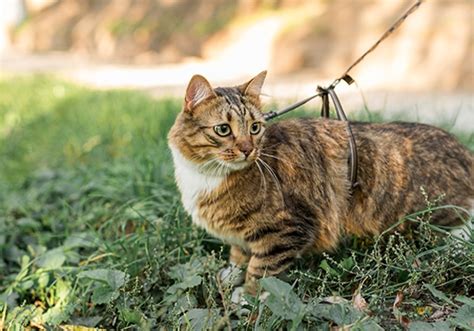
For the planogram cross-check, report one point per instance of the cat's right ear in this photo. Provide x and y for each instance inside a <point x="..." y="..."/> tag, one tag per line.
<point x="197" y="91"/>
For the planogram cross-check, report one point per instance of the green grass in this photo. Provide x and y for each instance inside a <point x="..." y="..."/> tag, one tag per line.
<point x="92" y="233"/>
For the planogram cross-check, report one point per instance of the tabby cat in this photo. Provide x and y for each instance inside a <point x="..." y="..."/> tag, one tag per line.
<point x="277" y="191"/>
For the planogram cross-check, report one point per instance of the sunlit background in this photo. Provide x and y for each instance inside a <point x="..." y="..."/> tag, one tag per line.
<point x="426" y="69"/>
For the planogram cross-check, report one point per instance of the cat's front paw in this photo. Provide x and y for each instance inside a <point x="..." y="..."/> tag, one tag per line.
<point x="231" y="275"/>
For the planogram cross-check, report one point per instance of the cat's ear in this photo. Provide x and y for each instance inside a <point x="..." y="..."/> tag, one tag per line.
<point x="254" y="86"/>
<point x="197" y="91"/>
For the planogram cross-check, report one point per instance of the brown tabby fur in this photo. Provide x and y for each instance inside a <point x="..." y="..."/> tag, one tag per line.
<point x="293" y="194"/>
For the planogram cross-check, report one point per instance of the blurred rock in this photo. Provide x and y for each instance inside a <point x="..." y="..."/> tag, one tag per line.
<point x="122" y="30"/>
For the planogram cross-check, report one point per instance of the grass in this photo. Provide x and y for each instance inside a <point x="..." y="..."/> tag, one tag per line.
<point x="92" y="233"/>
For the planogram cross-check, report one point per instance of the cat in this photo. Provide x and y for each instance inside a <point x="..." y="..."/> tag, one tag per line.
<point x="276" y="191"/>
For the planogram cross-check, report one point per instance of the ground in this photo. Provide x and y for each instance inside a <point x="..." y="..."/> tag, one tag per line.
<point x="92" y="233"/>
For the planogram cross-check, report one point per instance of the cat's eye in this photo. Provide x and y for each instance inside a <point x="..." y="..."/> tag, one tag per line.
<point x="222" y="130"/>
<point x="255" y="128"/>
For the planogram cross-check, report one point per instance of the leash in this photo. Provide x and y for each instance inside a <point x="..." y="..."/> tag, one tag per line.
<point x="328" y="92"/>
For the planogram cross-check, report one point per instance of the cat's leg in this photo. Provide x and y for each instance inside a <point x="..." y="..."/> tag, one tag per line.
<point x="234" y="274"/>
<point x="269" y="263"/>
<point x="274" y="248"/>
<point x="238" y="256"/>
<point x="273" y="262"/>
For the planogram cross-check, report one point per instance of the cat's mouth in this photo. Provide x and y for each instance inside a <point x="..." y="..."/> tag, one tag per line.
<point x="239" y="165"/>
<point x="238" y="162"/>
<point x="219" y="167"/>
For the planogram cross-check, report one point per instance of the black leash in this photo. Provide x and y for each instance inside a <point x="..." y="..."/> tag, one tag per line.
<point x="328" y="92"/>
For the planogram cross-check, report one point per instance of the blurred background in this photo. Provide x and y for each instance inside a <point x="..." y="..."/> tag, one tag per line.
<point x="425" y="70"/>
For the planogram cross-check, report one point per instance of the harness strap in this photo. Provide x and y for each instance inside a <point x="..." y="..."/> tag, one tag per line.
<point x="325" y="103"/>
<point x="353" y="157"/>
<point x="272" y="114"/>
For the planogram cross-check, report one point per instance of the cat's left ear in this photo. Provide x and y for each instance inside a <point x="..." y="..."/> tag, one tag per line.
<point x="197" y="91"/>
<point x="254" y="86"/>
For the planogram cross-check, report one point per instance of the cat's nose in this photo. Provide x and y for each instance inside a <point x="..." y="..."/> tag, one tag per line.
<point x="246" y="151"/>
<point x="245" y="147"/>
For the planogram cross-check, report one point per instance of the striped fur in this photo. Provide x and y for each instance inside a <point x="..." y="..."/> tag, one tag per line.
<point x="291" y="194"/>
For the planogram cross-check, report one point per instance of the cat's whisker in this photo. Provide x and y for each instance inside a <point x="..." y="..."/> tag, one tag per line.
<point x="263" y="181"/>
<point x="204" y="165"/>
<point x="271" y="146"/>
<point x="272" y="173"/>
<point x="274" y="176"/>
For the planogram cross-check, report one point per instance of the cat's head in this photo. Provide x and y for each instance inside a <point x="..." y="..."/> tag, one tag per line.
<point x="219" y="130"/>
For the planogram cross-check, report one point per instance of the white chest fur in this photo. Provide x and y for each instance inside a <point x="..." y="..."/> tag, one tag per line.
<point x="191" y="182"/>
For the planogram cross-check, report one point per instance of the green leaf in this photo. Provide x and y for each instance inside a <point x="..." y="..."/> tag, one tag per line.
<point x="344" y="314"/>
<point x="25" y="263"/>
<point x="130" y="316"/>
<point x="201" y="319"/>
<point x="113" y="278"/>
<point x="282" y="300"/>
<point x="438" y="294"/>
<point x="8" y="299"/>
<point x="58" y="314"/>
<point x="366" y="325"/>
<point x="62" y="309"/>
<point x="52" y="259"/>
<point x="26" y="285"/>
<point x="319" y="310"/>
<point x="464" y="299"/>
<point x="464" y="317"/>
<point x="43" y="280"/>
<point x="424" y="326"/>
<point x="189" y="282"/>
<point x="326" y="267"/>
<point x="182" y="271"/>
<point x="104" y="294"/>
<point x="76" y="240"/>
<point x="276" y="286"/>
<point x="27" y="223"/>
<point x="348" y="263"/>
<point x="186" y="302"/>
<point x="63" y="290"/>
